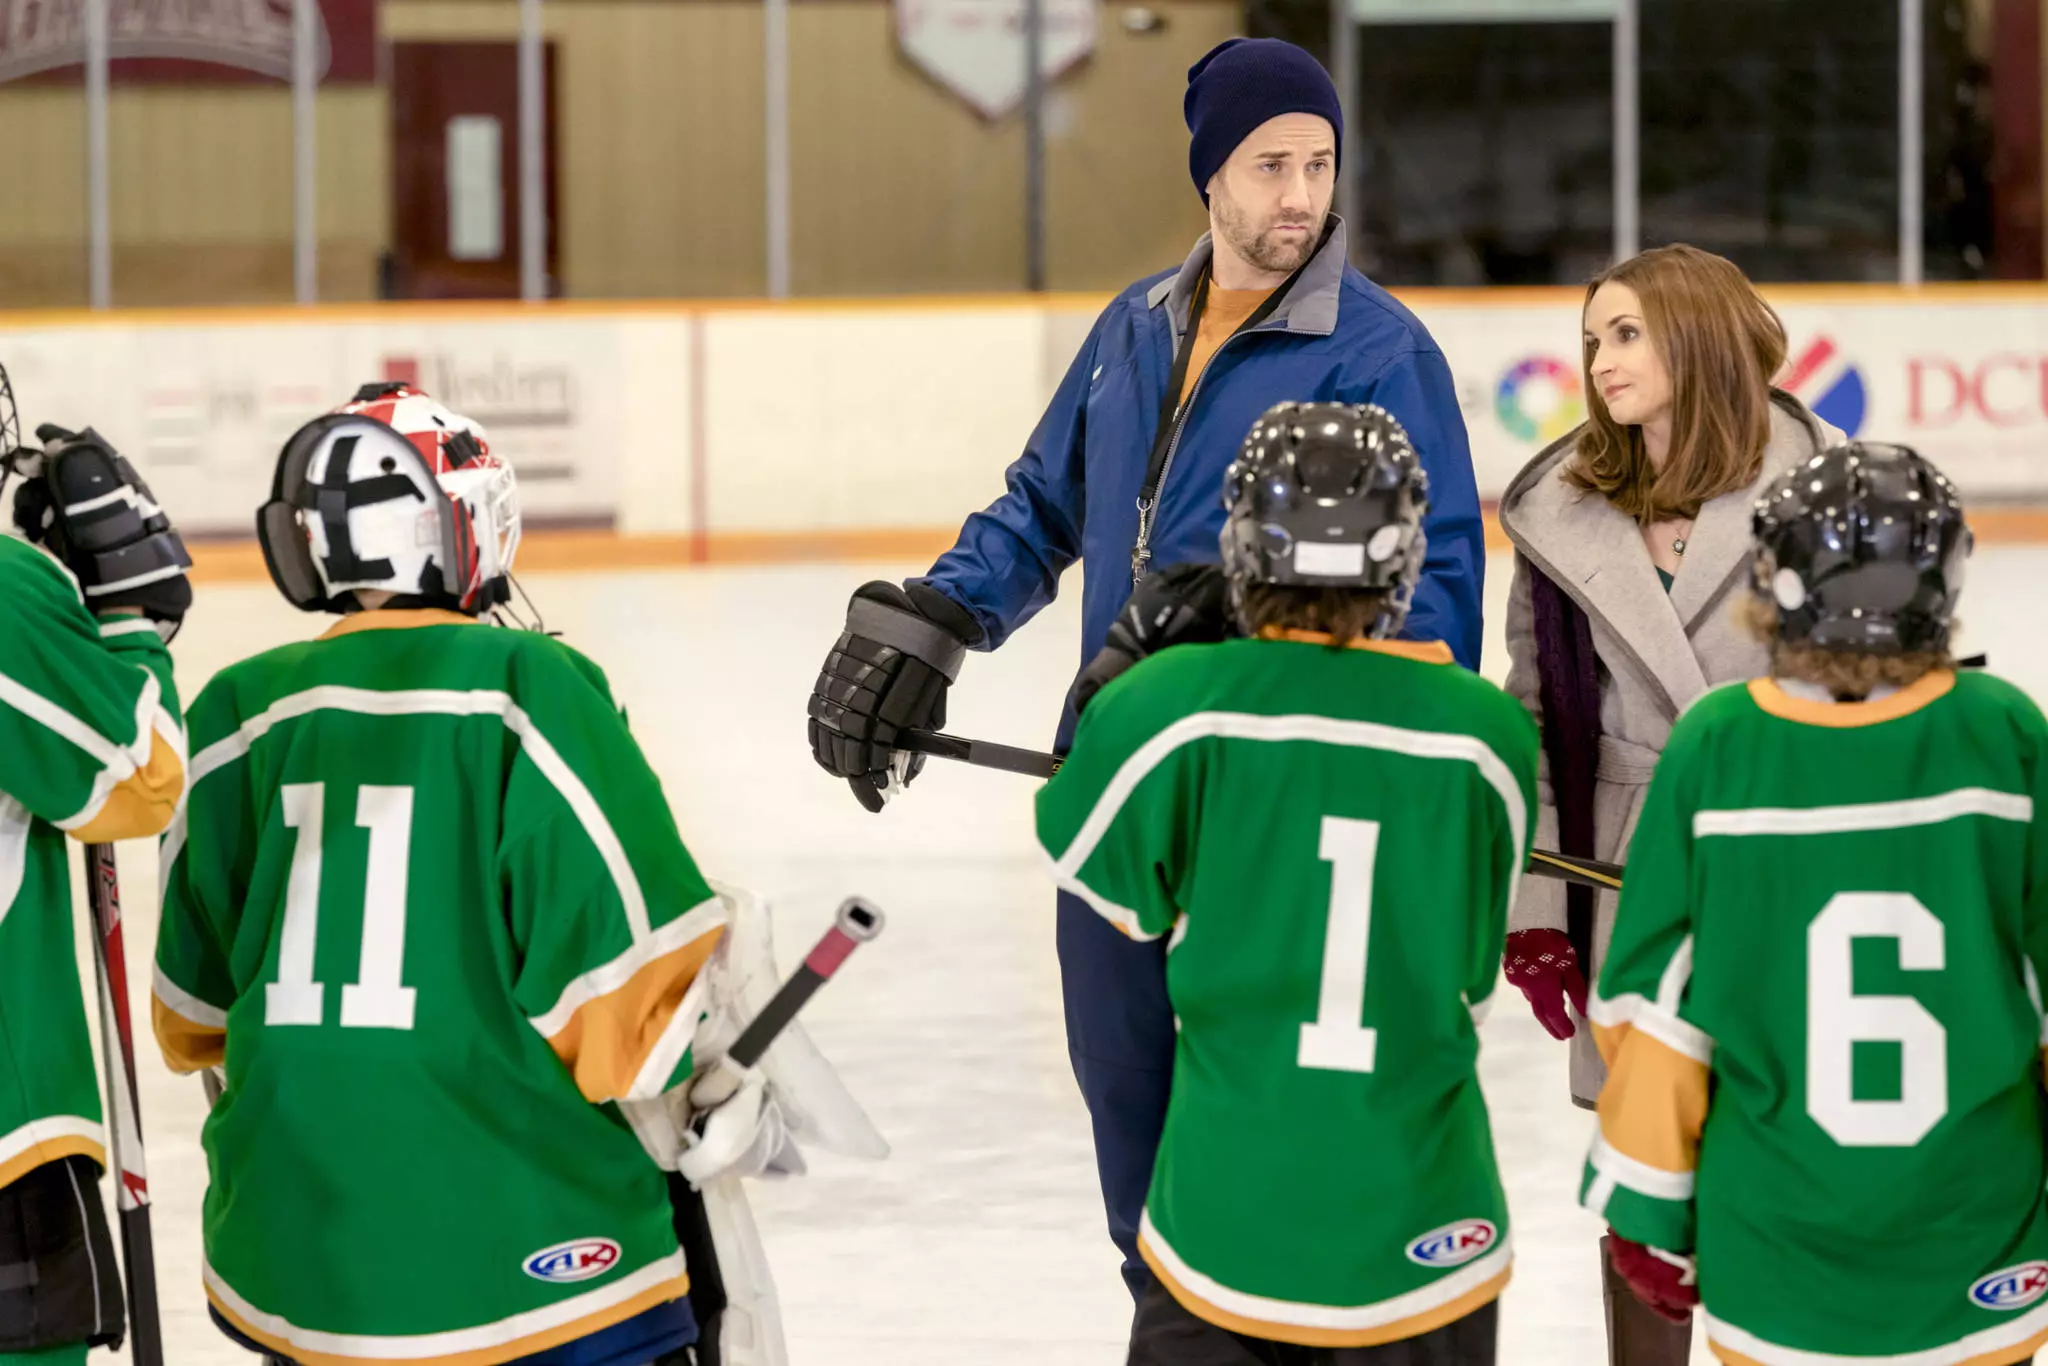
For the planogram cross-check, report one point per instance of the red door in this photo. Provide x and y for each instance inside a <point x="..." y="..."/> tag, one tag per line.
<point x="455" y="170"/>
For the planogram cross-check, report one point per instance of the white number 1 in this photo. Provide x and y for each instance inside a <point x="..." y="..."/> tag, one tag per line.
<point x="376" y="999"/>
<point x="1337" y="1039"/>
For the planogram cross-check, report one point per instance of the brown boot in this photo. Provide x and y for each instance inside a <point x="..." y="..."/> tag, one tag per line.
<point x="1638" y="1335"/>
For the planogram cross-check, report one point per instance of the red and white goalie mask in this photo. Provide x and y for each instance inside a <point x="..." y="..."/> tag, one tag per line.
<point x="396" y="493"/>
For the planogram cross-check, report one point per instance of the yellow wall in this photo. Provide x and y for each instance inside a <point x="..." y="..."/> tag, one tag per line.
<point x="897" y="185"/>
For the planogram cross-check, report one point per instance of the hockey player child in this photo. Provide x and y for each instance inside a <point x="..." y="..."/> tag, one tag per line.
<point x="1327" y="823"/>
<point x="90" y="746"/>
<point x="427" y="906"/>
<point x="1821" y="1008"/>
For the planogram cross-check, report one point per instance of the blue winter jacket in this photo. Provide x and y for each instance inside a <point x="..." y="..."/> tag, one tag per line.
<point x="1336" y="336"/>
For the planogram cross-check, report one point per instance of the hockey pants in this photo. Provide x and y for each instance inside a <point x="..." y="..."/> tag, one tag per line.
<point x="1120" y="1038"/>
<point x="1166" y="1334"/>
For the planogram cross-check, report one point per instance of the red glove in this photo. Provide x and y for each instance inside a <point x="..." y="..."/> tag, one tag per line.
<point x="1545" y="967"/>
<point x="1664" y="1281"/>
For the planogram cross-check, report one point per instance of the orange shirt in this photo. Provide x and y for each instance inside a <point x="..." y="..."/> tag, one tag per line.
<point x="1222" y="314"/>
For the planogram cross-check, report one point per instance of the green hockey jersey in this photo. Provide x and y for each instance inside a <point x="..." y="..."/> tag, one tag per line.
<point x="90" y="744"/>
<point x="1822" y="1014"/>
<point x="428" y="905"/>
<point x="1329" y="838"/>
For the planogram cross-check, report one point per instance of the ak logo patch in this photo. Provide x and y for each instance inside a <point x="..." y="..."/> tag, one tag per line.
<point x="581" y="1260"/>
<point x="1454" y="1244"/>
<point x="2015" y="1287"/>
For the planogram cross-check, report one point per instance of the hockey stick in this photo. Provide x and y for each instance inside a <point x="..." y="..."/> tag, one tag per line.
<point x="124" y="1110"/>
<point x="1037" y="764"/>
<point x="856" y="923"/>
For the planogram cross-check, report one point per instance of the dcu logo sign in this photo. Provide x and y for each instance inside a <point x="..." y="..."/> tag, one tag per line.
<point x="1453" y="1244"/>
<point x="581" y="1260"/>
<point x="2016" y="1287"/>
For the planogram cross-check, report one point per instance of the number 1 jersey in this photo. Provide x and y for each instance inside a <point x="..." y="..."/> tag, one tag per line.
<point x="1822" y="1012"/>
<point x="427" y="903"/>
<point x="1328" y="840"/>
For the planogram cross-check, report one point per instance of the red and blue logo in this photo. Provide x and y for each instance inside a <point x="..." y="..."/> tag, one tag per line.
<point x="1829" y="383"/>
<point x="1454" y="1244"/>
<point x="580" y="1260"/>
<point x="2015" y="1287"/>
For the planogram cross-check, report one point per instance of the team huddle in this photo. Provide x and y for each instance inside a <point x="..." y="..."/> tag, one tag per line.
<point x="428" y="924"/>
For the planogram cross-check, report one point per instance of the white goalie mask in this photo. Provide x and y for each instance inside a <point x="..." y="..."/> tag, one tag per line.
<point x="396" y="493"/>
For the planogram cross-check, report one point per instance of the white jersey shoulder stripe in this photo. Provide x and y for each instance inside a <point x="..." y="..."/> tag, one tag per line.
<point x="446" y="702"/>
<point x="1863" y="816"/>
<point x="1977" y="1347"/>
<point x="1445" y="1289"/>
<point x="1423" y="744"/>
<point x="415" y="1346"/>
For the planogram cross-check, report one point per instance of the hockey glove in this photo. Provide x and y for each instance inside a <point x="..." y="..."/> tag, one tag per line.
<point x="85" y="503"/>
<point x="1667" y="1282"/>
<point x="887" y="673"/>
<point x="1183" y="604"/>
<point x="742" y="1133"/>
<point x="1544" y="966"/>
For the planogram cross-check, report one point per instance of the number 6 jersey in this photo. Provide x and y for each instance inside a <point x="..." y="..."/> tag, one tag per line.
<point x="1329" y="839"/>
<point x="1822" y="1013"/>
<point x="428" y="903"/>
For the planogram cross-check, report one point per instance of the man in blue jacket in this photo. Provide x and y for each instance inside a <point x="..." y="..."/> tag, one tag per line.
<point x="1125" y="474"/>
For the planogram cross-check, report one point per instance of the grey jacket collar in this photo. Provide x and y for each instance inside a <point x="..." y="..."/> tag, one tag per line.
<point x="1310" y="307"/>
<point x="1596" y="553"/>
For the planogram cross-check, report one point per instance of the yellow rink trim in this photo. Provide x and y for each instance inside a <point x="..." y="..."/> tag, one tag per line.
<point x="673" y="1289"/>
<point x="600" y="551"/>
<point x="2004" y="1356"/>
<point x="1415" y="1326"/>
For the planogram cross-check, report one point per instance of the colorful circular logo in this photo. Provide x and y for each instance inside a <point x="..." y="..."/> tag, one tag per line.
<point x="1540" y="399"/>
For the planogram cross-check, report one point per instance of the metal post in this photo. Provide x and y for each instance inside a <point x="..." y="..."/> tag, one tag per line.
<point x="99" y="218"/>
<point x="1344" y="74"/>
<point x="1912" y="146"/>
<point x="305" y="145"/>
<point x="1034" y="145"/>
<point x="775" y="37"/>
<point x="533" y="204"/>
<point x="1628" y="130"/>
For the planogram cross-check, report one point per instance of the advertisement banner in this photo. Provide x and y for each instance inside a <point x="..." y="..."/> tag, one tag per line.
<point x="204" y="409"/>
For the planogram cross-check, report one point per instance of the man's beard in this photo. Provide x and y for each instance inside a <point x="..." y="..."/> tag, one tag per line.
<point x="1262" y="247"/>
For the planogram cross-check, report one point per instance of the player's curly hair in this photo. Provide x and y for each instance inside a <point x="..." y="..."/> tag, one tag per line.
<point x="1342" y="614"/>
<point x="1845" y="673"/>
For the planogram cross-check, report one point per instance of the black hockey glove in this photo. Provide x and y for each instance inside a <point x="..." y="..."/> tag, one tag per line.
<point x="887" y="673"/>
<point x="85" y="503"/>
<point x="1183" y="604"/>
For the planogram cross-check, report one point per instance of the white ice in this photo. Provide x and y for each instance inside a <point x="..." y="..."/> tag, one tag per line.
<point x="981" y="1239"/>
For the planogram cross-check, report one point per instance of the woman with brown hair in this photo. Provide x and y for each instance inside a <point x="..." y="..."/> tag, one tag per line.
<point x="1632" y="536"/>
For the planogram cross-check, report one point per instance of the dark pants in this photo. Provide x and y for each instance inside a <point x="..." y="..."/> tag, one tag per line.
<point x="1167" y="1334"/>
<point x="1120" y="1038"/>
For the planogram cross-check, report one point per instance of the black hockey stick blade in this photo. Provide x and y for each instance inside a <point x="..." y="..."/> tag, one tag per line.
<point x="1587" y="872"/>
<point x="1031" y="763"/>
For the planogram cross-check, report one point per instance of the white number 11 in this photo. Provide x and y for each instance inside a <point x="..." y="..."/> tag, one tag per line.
<point x="376" y="999"/>
<point x="1337" y="1039"/>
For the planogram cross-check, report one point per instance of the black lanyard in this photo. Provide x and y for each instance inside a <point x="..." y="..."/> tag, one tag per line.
<point x="1170" y="408"/>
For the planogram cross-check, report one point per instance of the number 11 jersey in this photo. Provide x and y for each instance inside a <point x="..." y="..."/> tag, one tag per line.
<point x="1822" y="1011"/>
<point x="1329" y="839"/>
<point x="428" y="905"/>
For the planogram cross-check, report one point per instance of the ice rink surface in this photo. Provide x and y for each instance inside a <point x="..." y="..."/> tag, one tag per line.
<point x="980" y="1242"/>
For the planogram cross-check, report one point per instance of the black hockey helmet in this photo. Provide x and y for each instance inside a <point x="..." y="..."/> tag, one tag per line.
<point x="1327" y="495"/>
<point x="1861" y="548"/>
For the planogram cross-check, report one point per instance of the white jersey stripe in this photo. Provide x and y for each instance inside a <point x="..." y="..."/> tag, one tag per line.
<point x="2010" y="1333"/>
<point x="1838" y="820"/>
<point x="185" y="1005"/>
<point x="1335" y="1318"/>
<point x="429" y="1345"/>
<point x="1640" y="1177"/>
<point x="13" y="1145"/>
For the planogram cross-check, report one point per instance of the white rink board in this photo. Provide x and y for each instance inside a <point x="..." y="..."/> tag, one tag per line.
<point x="675" y="418"/>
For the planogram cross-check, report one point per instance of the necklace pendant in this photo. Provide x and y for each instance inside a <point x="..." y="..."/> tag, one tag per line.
<point x="1678" y="545"/>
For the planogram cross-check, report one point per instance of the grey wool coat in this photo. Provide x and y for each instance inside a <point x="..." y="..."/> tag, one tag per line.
<point x="1656" y="652"/>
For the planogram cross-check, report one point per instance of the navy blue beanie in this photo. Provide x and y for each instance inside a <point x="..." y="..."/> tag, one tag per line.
<point x="1242" y="83"/>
